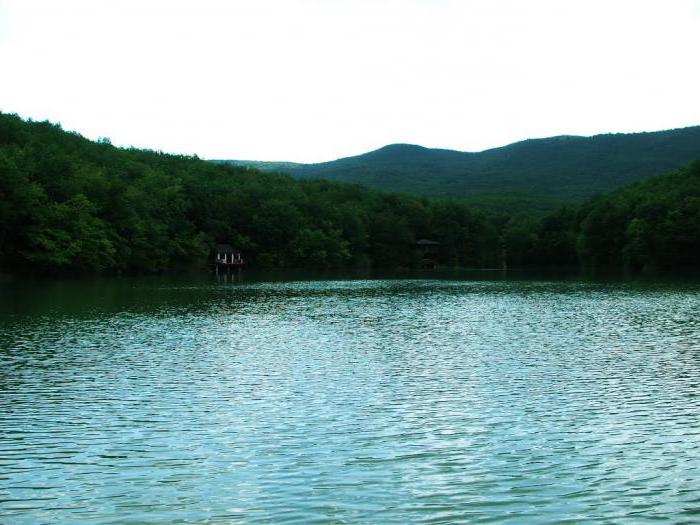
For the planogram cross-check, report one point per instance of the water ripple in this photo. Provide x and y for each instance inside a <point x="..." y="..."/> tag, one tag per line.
<point x="355" y="401"/>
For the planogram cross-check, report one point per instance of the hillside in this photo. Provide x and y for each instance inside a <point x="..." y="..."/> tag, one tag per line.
<point x="653" y="224"/>
<point x="649" y="225"/>
<point x="72" y="206"/>
<point x="565" y="167"/>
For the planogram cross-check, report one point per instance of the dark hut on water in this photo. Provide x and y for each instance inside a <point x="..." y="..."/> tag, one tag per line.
<point x="428" y="252"/>
<point x="227" y="258"/>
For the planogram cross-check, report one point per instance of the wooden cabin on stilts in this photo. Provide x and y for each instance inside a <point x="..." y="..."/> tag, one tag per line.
<point x="227" y="259"/>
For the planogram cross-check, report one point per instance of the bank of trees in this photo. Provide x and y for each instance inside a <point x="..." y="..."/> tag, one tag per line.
<point x="650" y="225"/>
<point x="70" y="205"/>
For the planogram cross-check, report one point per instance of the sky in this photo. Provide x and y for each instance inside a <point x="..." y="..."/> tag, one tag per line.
<point x="314" y="80"/>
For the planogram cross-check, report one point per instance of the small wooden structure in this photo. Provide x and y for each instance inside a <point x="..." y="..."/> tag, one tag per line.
<point x="227" y="258"/>
<point x="429" y="252"/>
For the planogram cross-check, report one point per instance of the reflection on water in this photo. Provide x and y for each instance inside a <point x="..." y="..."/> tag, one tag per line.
<point x="349" y="401"/>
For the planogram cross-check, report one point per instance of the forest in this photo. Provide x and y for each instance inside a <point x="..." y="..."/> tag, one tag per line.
<point x="69" y="205"/>
<point x="544" y="171"/>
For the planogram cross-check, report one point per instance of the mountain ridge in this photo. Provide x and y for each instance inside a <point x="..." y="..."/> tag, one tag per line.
<point x="568" y="167"/>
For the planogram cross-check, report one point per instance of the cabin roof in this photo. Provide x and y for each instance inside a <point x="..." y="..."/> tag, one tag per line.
<point x="426" y="242"/>
<point x="224" y="248"/>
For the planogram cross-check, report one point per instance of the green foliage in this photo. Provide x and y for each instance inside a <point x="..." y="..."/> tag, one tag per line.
<point x="69" y="205"/>
<point x="650" y="225"/>
<point x="532" y="176"/>
<point x="320" y="247"/>
<point x="653" y="224"/>
<point x="68" y="235"/>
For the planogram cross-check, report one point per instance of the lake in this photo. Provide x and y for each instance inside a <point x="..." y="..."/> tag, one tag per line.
<point x="408" y="400"/>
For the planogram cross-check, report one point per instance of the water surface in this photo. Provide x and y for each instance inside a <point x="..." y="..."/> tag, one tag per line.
<point x="349" y="401"/>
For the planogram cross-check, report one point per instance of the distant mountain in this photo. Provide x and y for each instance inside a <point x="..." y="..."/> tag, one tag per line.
<point x="264" y="165"/>
<point x="564" y="167"/>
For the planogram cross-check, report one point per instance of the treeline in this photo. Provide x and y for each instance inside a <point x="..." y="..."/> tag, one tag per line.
<point x="649" y="225"/>
<point x="70" y="205"/>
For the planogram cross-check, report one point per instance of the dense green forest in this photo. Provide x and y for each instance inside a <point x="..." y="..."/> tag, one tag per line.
<point x="650" y="225"/>
<point x="533" y="174"/>
<point x="70" y="205"/>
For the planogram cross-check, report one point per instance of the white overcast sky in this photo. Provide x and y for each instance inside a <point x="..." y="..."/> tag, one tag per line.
<point x="313" y="80"/>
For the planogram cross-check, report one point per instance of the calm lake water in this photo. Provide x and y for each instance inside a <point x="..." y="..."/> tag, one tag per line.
<point x="358" y="401"/>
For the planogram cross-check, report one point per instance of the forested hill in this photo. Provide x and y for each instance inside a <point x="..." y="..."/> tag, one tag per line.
<point x="566" y="167"/>
<point x="652" y="224"/>
<point x="70" y="205"/>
